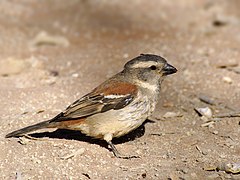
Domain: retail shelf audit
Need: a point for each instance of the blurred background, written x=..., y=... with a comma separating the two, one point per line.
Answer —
x=54, y=51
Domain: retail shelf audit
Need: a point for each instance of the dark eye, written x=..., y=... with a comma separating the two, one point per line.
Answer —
x=153, y=67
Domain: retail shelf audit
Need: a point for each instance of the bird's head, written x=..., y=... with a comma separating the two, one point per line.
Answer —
x=149, y=68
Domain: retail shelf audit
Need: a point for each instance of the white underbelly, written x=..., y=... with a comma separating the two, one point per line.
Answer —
x=118, y=122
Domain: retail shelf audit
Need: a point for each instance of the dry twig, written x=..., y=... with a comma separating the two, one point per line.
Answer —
x=228, y=115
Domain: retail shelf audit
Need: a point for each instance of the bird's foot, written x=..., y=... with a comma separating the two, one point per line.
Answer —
x=119, y=155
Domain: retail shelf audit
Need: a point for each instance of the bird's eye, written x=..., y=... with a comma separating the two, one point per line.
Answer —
x=153, y=67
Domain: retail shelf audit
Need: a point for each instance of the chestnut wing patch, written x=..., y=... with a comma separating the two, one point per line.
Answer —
x=98, y=102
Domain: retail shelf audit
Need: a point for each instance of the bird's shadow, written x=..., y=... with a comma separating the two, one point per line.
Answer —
x=77, y=135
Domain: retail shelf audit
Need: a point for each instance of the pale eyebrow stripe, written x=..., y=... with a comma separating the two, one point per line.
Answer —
x=144, y=64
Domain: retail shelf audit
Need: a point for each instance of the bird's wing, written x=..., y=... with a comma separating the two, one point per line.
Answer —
x=110, y=95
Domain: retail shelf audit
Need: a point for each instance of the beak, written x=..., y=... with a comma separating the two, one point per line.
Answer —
x=168, y=69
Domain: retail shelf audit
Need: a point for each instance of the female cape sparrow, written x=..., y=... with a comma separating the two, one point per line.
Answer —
x=117, y=106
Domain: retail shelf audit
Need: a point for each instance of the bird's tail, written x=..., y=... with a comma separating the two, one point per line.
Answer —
x=20, y=132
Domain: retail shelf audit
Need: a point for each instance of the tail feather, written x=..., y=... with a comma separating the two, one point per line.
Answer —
x=41, y=125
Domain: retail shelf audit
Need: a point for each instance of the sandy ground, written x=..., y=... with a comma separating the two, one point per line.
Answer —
x=53, y=52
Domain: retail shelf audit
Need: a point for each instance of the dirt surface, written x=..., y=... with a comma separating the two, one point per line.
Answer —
x=53, y=52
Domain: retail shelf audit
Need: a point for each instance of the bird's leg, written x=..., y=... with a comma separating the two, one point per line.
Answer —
x=108, y=137
x=116, y=152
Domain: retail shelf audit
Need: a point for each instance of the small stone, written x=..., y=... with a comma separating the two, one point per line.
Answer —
x=227, y=79
x=12, y=66
x=204, y=152
x=171, y=115
x=126, y=55
x=206, y=111
x=75, y=75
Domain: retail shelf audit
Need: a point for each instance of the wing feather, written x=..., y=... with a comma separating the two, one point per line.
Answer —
x=99, y=101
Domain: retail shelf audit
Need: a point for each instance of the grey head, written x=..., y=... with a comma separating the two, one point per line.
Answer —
x=149, y=68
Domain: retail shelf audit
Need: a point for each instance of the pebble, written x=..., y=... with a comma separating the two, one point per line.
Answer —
x=170, y=115
x=204, y=152
x=126, y=55
x=206, y=111
x=227, y=79
x=13, y=66
x=75, y=75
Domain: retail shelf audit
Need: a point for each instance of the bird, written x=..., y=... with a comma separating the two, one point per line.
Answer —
x=117, y=106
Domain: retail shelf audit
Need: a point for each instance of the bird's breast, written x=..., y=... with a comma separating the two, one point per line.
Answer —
x=139, y=109
x=119, y=122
